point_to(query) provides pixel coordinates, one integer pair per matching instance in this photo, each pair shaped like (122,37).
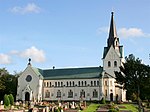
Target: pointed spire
(112,31)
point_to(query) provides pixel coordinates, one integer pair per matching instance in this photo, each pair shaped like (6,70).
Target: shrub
(6,100)
(103,101)
(11,99)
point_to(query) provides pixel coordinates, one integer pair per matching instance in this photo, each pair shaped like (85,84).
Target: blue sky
(69,33)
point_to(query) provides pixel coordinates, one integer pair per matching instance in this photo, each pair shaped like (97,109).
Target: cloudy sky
(69,33)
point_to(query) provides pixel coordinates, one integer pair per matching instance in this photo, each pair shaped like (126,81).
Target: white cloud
(131,32)
(33,53)
(4,59)
(29,8)
(125,32)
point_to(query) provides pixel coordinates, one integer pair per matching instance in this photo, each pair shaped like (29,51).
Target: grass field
(92,107)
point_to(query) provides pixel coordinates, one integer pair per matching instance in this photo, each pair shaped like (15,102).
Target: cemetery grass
(131,107)
(91,108)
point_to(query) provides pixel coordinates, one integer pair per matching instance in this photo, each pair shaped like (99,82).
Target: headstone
(59,105)
(47,109)
(1,102)
(17,103)
(66,107)
(72,106)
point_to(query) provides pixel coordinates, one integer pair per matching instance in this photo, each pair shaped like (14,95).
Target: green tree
(6,100)
(134,75)
(11,99)
(8,83)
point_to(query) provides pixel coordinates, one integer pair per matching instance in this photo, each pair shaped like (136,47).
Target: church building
(75,84)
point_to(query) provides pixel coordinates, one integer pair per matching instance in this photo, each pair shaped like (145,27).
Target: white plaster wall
(76,90)
(34,84)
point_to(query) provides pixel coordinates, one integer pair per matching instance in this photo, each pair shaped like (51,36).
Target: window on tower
(115,63)
(109,64)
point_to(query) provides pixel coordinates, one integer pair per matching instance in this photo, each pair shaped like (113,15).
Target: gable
(112,54)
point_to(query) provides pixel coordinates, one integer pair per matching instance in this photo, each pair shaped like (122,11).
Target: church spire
(112,32)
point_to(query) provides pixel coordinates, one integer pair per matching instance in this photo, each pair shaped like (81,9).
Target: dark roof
(70,73)
(106,49)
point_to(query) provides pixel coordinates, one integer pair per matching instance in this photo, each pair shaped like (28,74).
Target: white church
(75,84)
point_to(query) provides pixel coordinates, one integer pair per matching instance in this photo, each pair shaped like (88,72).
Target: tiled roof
(70,73)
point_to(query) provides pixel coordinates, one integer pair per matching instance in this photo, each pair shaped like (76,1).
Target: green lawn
(129,107)
(91,108)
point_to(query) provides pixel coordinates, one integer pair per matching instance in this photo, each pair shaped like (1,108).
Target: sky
(69,33)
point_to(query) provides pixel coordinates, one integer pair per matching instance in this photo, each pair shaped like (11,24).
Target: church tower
(113,58)
(113,53)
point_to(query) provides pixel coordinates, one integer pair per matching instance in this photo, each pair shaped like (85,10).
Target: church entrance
(111,96)
(27,96)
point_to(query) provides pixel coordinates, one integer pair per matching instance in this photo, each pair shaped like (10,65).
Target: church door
(27,96)
(111,96)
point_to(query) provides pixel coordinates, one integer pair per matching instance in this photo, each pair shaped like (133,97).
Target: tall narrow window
(82,83)
(73,83)
(70,83)
(67,84)
(47,94)
(115,63)
(50,84)
(105,92)
(95,94)
(55,84)
(58,84)
(91,83)
(82,93)
(97,83)
(61,84)
(85,83)
(94,83)
(109,64)
(79,83)
(47,84)
(58,94)
(70,94)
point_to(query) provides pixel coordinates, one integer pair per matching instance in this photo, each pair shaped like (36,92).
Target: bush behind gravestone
(11,99)
(6,100)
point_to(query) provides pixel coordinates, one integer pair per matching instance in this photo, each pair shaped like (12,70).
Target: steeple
(112,39)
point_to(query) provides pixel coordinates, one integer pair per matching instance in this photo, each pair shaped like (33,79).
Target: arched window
(58,84)
(82,93)
(47,94)
(82,83)
(85,83)
(95,94)
(70,83)
(70,94)
(109,64)
(115,63)
(97,83)
(91,83)
(61,84)
(50,84)
(73,83)
(94,83)
(47,84)
(67,84)
(58,94)
(79,83)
